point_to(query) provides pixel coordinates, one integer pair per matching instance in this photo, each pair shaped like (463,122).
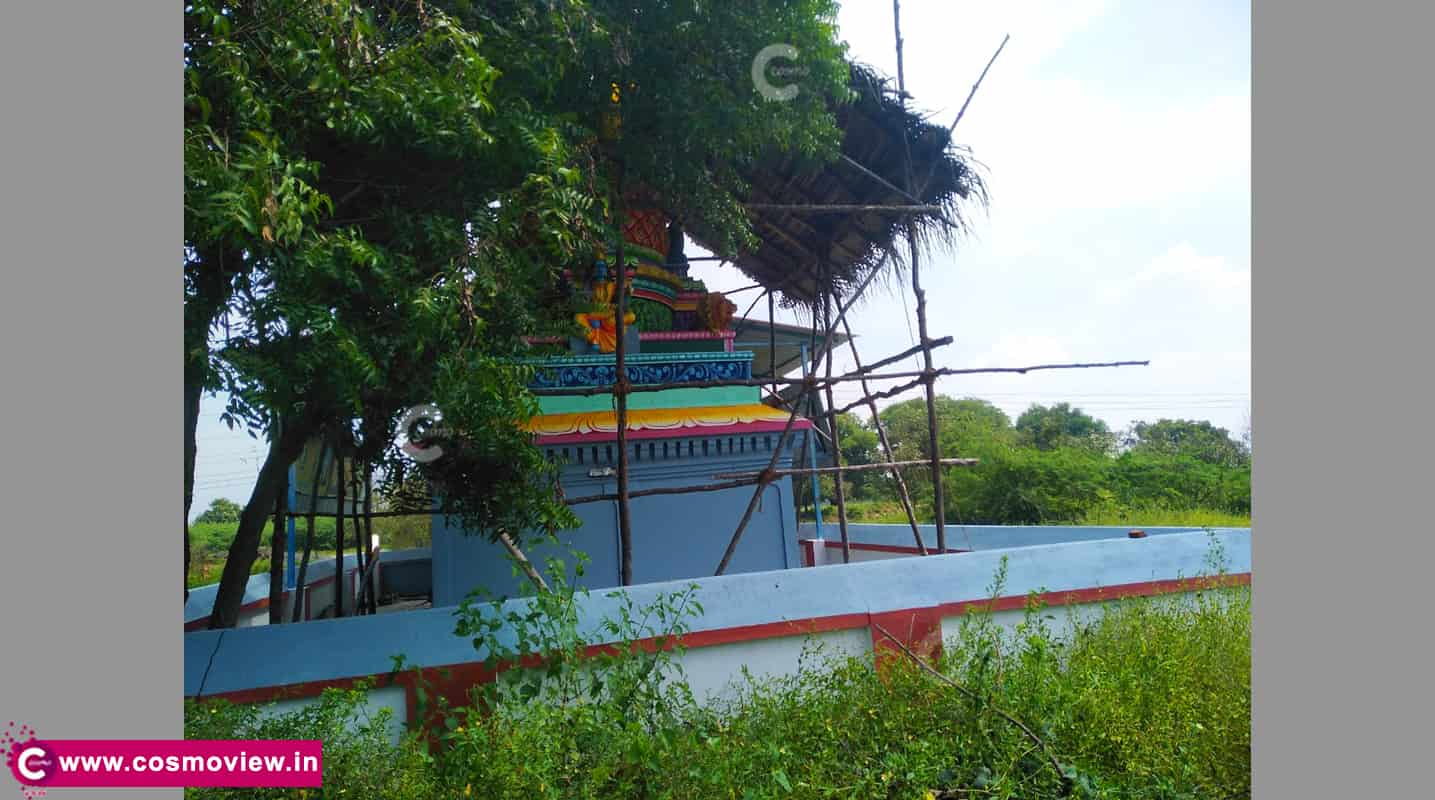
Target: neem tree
(380,198)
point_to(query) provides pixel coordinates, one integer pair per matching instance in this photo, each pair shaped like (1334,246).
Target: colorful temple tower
(677,333)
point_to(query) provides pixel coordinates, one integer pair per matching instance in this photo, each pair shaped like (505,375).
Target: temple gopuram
(676,333)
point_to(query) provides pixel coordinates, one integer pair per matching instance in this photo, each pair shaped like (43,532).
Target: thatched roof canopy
(799,247)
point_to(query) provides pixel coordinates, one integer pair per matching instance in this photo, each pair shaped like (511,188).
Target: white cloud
(1182,267)
(1059,144)
(1019,350)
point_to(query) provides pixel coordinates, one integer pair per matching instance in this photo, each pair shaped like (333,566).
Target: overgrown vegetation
(210,541)
(1146,698)
(1053,465)
(380,200)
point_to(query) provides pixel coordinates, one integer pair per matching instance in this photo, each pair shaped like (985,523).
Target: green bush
(360,762)
(209,542)
(1144,698)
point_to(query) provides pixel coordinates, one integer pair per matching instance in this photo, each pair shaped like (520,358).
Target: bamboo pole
(359,561)
(372,594)
(772,340)
(830,208)
(339,539)
(523,562)
(706,487)
(607,388)
(946,462)
(839,492)
(278,545)
(809,383)
(620,397)
(301,590)
(902,493)
(921,295)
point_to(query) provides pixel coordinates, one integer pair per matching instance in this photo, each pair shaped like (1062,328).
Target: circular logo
(34,763)
(760,63)
(415,424)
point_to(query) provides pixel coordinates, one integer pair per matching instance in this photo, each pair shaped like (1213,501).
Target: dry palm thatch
(800,249)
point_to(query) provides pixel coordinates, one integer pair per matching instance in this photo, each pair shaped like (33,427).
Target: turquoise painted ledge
(668,398)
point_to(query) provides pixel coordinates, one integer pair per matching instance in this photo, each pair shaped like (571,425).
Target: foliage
(629,677)
(380,199)
(210,542)
(1056,467)
(360,762)
(220,510)
(1197,439)
(1146,698)
(1060,425)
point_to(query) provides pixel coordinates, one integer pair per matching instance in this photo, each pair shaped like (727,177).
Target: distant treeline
(1055,464)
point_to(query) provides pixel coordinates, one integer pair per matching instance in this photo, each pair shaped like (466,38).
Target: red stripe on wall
(920,628)
(692,432)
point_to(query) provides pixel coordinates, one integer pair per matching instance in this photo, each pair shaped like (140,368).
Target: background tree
(1059,425)
(220,510)
(1197,439)
(380,196)
(1060,469)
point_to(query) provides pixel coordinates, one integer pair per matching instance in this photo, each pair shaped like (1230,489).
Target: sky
(1115,141)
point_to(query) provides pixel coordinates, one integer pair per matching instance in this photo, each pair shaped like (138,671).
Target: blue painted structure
(675,537)
(248,658)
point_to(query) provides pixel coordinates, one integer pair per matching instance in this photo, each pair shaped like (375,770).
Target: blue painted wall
(675,537)
(247,658)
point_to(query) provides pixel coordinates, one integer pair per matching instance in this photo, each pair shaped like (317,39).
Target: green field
(209,543)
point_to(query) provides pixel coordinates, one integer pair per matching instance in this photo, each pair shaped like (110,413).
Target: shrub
(1145,698)
(360,761)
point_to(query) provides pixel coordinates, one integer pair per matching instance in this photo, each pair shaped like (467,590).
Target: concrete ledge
(739,608)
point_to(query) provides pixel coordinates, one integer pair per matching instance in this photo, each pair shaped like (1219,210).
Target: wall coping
(241,659)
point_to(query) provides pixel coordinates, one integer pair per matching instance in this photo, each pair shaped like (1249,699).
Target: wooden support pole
(779,473)
(522,560)
(860,371)
(620,399)
(772,339)
(359,549)
(372,595)
(921,295)
(339,538)
(809,383)
(585,391)
(891,459)
(839,492)
(830,208)
(278,545)
(301,589)
(657,490)
(878,178)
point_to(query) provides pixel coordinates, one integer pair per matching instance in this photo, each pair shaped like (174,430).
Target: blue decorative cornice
(643,368)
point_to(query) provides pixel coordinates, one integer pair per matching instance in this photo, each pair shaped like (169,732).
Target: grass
(1150,699)
(203,573)
(887,512)
(209,543)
